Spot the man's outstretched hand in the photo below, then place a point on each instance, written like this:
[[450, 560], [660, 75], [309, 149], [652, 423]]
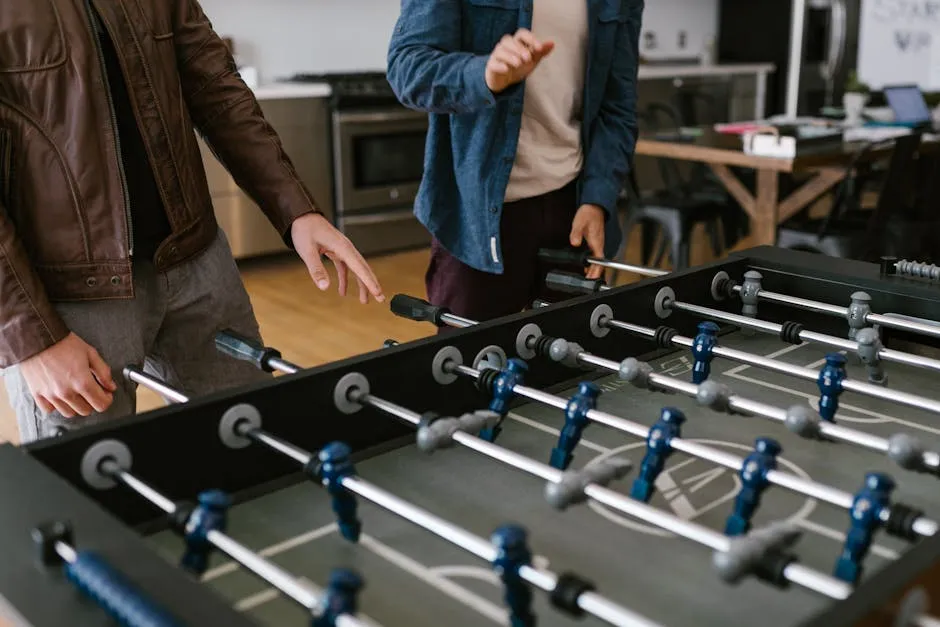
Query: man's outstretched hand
[[314, 236]]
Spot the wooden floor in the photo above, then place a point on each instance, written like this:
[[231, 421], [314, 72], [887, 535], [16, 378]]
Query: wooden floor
[[310, 327]]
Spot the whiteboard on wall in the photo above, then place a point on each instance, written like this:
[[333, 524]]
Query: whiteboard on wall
[[899, 42]]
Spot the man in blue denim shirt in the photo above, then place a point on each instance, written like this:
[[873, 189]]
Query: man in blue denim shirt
[[532, 130]]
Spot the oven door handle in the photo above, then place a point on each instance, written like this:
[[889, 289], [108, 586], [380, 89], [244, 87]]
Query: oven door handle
[[377, 218], [372, 117]]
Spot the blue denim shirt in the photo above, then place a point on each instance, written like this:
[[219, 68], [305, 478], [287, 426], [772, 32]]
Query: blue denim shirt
[[436, 62]]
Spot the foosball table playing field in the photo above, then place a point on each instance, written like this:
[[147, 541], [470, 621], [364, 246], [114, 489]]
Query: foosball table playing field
[[750, 442]]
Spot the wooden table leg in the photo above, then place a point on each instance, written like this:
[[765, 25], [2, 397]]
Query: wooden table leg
[[764, 221]]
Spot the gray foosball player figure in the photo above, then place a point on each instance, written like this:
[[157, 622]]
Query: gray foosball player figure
[[749, 300], [857, 313], [869, 348]]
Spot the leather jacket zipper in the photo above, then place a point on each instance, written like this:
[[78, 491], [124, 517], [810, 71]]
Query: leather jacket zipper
[[92, 19], [6, 169]]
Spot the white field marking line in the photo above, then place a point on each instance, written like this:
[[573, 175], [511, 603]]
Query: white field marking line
[[272, 550], [467, 572], [427, 575], [877, 417], [782, 351], [266, 596], [882, 551], [826, 532]]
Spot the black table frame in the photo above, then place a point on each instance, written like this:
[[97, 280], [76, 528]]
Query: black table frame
[[177, 449]]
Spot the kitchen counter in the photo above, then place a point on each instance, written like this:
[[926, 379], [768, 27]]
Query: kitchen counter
[[653, 70], [276, 91]]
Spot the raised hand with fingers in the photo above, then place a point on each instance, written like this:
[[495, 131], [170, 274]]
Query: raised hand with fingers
[[514, 58], [69, 377], [314, 236]]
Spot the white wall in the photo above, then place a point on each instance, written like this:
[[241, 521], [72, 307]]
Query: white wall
[[283, 37]]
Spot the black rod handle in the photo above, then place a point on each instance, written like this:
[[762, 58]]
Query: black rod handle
[[240, 347], [573, 283], [565, 256], [417, 309]]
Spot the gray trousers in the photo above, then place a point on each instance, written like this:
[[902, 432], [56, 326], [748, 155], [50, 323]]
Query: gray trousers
[[168, 329]]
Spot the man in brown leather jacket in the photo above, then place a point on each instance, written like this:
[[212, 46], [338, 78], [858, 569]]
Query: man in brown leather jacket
[[109, 250]]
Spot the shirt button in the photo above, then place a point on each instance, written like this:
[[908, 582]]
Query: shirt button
[[115, 280], [493, 210], [91, 281]]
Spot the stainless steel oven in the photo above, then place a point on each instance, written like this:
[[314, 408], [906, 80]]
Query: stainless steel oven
[[378, 162]]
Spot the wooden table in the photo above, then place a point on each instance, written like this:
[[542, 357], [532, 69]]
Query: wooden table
[[766, 209]]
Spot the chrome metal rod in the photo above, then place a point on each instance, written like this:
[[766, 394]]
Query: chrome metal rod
[[800, 575], [456, 321], [476, 545], [66, 552], [135, 374], [282, 365], [807, 336], [275, 576], [836, 497], [911, 400], [740, 404], [627, 267], [902, 324]]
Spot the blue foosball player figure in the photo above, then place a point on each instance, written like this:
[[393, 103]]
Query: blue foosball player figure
[[340, 598], [335, 464], [754, 481], [830, 385], [503, 386], [575, 421], [865, 517], [210, 514], [658, 450], [702, 347], [513, 553]]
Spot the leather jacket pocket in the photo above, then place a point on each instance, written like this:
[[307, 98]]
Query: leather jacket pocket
[[32, 36]]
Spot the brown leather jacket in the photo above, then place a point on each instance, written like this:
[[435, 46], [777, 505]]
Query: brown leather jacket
[[63, 216]]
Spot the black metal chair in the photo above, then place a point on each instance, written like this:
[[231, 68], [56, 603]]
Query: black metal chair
[[850, 232], [674, 211]]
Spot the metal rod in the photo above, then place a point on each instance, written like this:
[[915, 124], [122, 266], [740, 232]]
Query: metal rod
[[440, 527], [283, 365], [902, 324], [456, 321], [626, 267], [135, 374], [807, 336], [740, 404], [271, 573], [66, 552], [800, 575], [813, 489], [911, 400]]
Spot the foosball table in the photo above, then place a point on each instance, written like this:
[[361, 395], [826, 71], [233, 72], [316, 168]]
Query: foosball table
[[752, 441]]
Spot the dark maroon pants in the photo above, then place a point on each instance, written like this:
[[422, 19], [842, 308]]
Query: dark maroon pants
[[526, 225]]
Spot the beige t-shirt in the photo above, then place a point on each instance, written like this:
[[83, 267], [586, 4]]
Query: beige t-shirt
[[550, 154]]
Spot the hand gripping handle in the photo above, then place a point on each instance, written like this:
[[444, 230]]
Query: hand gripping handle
[[566, 256], [241, 347], [120, 598], [572, 283], [416, 309]]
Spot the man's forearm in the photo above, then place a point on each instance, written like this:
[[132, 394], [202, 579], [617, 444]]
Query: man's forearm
[[427, 68], [227, 114], [613, 138]]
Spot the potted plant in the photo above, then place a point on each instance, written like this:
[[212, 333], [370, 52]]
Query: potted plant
[[854, 99]]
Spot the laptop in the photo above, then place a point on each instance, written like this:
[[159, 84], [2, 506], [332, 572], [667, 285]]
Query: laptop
[[908, 105]]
